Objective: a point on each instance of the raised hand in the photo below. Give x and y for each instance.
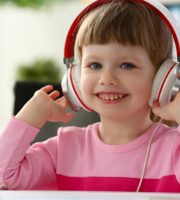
(169, 112)
(42, 107)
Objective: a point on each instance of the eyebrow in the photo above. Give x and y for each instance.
(124, 57)
(91, 57)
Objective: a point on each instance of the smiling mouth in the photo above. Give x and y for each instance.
(111, 97)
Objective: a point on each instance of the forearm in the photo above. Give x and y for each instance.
(15, 139)
(23, 167)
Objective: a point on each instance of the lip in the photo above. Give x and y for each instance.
(115, 101)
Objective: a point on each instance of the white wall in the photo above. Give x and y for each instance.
(27, 34)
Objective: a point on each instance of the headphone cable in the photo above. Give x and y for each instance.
(147, 155)
(3, 186)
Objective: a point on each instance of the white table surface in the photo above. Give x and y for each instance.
(69, 195)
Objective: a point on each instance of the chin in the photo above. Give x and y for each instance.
(111, 116)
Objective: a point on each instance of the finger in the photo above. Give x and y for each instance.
(60, 99)
(179, 75)
(68, 117)
(156, 108)
(64, 104)
(47, 88)
(162, 112)
(54, 94)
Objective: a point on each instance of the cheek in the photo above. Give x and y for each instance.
(87, 90)
(141, 86)
(86, 85)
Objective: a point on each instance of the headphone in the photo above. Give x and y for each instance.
(166, 83)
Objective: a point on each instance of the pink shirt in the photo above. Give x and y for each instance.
(76, 159)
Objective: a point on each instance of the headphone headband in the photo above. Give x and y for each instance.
(162, 11)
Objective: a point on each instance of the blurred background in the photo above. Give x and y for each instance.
(32, 37)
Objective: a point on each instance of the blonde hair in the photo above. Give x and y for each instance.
(127, 22)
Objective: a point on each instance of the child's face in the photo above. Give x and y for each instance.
(112, 70)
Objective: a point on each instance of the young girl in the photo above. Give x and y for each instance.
(121, 45)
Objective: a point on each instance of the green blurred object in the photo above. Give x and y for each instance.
(30, 3)
(40, 70)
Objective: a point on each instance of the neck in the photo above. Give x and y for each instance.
(115, 132)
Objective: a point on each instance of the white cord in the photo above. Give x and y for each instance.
(147, 154)
(3, 185)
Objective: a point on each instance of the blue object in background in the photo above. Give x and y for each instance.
(175, 10)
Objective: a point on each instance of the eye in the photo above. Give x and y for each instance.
(128, 66)
(96, 66)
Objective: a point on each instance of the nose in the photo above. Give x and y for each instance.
(108, 78)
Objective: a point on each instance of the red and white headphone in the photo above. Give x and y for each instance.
(166, 83)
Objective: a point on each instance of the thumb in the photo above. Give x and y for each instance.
(156, 108)
(68, 117)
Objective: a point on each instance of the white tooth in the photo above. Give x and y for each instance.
(120, 96)
(112, 98)
(103, 97)
(107, 98)
(116, 97)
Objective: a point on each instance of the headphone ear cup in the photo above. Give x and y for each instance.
(75, 79)
(73, 95)
(163, 83)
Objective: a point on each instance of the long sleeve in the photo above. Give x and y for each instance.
(176, 157)
(23, 167)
